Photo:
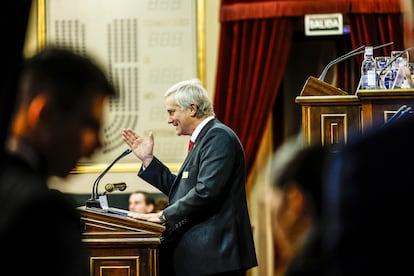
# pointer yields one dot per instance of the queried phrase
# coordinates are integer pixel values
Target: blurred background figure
(56, 122)
(368, 228)
(141, 202)
(296, 203)
(161, 203)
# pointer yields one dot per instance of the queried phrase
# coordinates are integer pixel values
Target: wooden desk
(333, 119)
(120, 245)
(329, 119)
(377, 106)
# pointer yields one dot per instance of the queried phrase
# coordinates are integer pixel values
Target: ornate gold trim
(201, 40)
(201, 33)
(41, 24)
(341, 117)
(201, 54)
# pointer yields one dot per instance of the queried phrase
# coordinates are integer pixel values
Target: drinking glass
(384, 72)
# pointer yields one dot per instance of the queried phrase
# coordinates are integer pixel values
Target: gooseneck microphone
(352, 53)
(338, 60)
(110, 187)
(94, 200)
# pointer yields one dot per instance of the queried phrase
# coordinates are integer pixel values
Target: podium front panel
(120, 245)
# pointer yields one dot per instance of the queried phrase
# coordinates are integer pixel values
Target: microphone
(337, 60)
(110, 187)
(402, 112)
(94, 200)
(352, 53)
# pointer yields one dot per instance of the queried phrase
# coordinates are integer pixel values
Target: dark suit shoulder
(215, 127)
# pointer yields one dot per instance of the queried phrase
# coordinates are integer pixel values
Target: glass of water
(384, 72)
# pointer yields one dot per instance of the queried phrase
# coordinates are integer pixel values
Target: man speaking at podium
(207, 216)
(57, 121)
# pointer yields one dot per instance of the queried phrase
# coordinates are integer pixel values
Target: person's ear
(36, 108)
(193, 110)
(294, 204)
(295, 198)
(150, 208)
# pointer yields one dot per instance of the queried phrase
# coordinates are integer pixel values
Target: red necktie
(190, 145)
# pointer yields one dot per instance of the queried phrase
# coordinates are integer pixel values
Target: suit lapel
(194, 150)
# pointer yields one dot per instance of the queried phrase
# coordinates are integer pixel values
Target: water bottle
(368, 70)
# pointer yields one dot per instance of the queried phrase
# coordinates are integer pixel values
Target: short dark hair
(149, 199)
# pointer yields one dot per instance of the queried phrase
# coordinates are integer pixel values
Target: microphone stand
(94, 200)
(337, 60)
(348, 55)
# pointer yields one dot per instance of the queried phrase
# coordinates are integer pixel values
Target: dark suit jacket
(39, 228)
(370, 193)
(208, 211)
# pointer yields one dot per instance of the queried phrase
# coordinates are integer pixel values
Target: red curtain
(254, 44)
(375, 23)
(252, 58)
(236, 10)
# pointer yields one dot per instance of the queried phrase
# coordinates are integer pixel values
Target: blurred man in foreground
(56, 122)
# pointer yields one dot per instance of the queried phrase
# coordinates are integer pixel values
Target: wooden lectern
(331, 116)
(120, 245)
